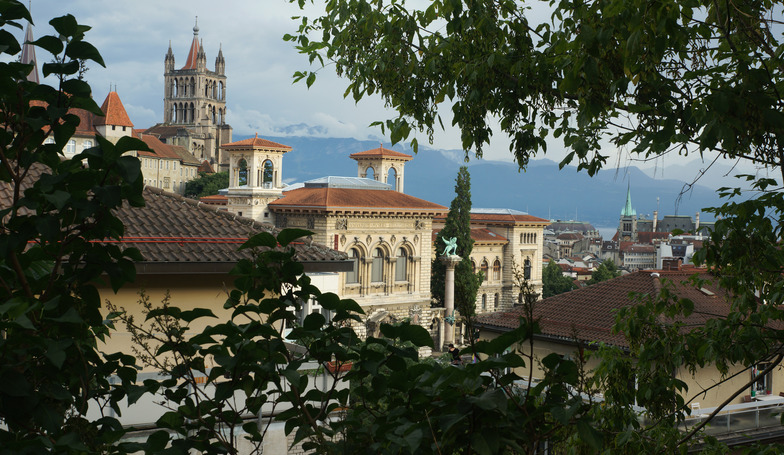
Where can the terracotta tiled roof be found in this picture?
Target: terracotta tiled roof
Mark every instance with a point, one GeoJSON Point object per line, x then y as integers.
{"type": "Point", "coordinates": [171, 228]}
{"type": "Point", "coordinates": [161, 130]}
{"type": "Point", "coordinates": [215, 199]}
{"type": "Point", "coordinates": [502, 218]}
{"type": "Point", "coordinates": [351, 199]}
{"type": "Point", "coordinates": [649, 237]}
{"type": "Point", "coordinates": [589, 314]}
{"type": "Point", "coordinates": [114, 112]}
{"type": "Point", "coordinates": [206, 167]}
{"type": "Point", "coordinates": [193, 52]}
{"type": "Point", "coordinates": [255, 142]}
{"type": "Point", "coordinates": [173, 233]}
{"type": "Point", "coordinates": [86, 122]}
{"type": "Point", "coordinates": [161, 150]}
{"type": "Point", "coordinates": [381, 152]}
{"type": "Point", "coordinates": [631, 247]}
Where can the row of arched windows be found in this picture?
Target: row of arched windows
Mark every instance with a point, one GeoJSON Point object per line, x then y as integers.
{"type": "Point", "coordinates": [186, 113]}
{"type": "Point", "coordinates": [370, 173]}
{"type": "Point", "coordinates": [186, 87]}
{"type": "Point", "coordinates": [264, 176]}
{"type": "Point", "coordinates": [485, 268]}
{"type": "Point", "coordinates": [377, 272]}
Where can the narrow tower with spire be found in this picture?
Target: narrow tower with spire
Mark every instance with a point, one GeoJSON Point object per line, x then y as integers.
{"type": "Point", "coordinates": [627, 226]}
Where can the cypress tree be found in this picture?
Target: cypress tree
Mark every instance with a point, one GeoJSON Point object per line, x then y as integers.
{"type": "Point", "coordinates": [457, 225]}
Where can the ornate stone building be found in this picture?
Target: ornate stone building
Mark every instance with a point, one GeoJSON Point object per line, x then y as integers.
{"type": "Point", "coordinates": [194, 105]}
{"type": "Point", "coordinates": [506, 242]}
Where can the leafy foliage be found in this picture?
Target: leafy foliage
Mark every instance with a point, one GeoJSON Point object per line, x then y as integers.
{"type": "Point", "coordinates": [50, 254]}
{"type": "Point", "coordinates": [458, 225]}
{"type": "Point", "coordinates": [207, 184]}
{"type": "Point", "coordinates": [554, 282]}
{"type": "Point", "coordinates": [606, 271]}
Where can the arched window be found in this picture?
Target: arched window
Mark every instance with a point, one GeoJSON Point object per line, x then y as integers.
{"type": "Point", "coordinates": [268, 174]}
{"type": "Point", "coordinates": [370, 173]}
{"type": "Point", "coordinates": [353, 275]}
{"type": "Point", "coordinates": [191, 114]}
{"type": "Point", "coordinates": [87, 144]}
{"type": "Point", "coordinates": [392, 178]}
{"type": "Point", "coordinates": [497, 270]}
{"type": "Point", "coordinates": [484, 302]}
{"type": "Point", "coordinates": [527, 269]}
{"type": "Point", "coordinates": [377, 269]}
{"type": "Point", "coordinates": [496, 302]}
{"type": "Point", "coordinates": [242, 174]}
{"type": "Point", "coordinates": [484, 269]}
{"type": "Point", "coordinates": [473, 267]}
{"type": "Point", "coordinates": [401, 265]}
{"type": "Point", "coordinates": [222, 92]}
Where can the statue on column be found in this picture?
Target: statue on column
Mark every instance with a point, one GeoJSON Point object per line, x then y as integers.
{"type": "Point", "coordinates": [451, 246]}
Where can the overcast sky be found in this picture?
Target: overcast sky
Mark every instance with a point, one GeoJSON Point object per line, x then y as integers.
{"type": "Point", "coordinates": [133, 37]}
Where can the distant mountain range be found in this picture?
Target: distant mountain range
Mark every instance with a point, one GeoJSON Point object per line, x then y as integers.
{"type": "Point", "coordinates": [542, 190]}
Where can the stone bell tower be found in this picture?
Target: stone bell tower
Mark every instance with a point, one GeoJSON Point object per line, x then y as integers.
{"type": "Point", "coordinates": [255, 177]}
{"type": "Point", "coordinates": [195, 102]}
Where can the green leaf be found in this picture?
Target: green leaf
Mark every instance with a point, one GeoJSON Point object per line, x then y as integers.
{"type": "Point", "coordinates": [589, 435]}
{"type": "Point", "coordinates": [50, 43]}
{"type": "Point", "coordinates": [83, 50]}
{"type": "Point", "coordinates": [262, 239]}
{"type": "Point", "coordinates": [286, 236]}
{"type": "Point", "coordinates": [196, 313]}
{"type": "Point", "coordinates": [65, 25]}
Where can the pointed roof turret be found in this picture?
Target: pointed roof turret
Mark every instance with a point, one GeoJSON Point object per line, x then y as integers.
{"type": "Point", "coordinates": [193, 54]}
{"type": "Point", "coordinates": [220, 58]}
{"type": "Point", "coordinates": [627, 209]}
{"type": "Point", "coordinates": [28, 54]}
{"type": "Point", "coordinates": [114, 112]}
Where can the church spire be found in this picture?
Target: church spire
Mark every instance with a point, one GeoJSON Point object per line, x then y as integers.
{"type": "Point", "coordinates": [28, 54]}
{"type": "Point", "coordinates": [193, 54]}
{"type": "Point", "coordinates": [627, 209]}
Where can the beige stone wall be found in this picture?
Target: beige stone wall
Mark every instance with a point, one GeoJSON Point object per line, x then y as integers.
{"type": "Point", "coordinates": [706, 386]}
{"type": "Point", "coordinates": [167, 174]}
{"type": "Point", "coordinates": [186, 291]}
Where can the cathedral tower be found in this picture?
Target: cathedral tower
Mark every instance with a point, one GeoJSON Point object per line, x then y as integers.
{"type": "Point", "coordinates": [195, 101]}
{"type": "Point", "coordinates": [627, 226]}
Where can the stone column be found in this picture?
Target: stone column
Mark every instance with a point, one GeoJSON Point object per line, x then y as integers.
{"type": "Point", "coordinates": [449, 296]}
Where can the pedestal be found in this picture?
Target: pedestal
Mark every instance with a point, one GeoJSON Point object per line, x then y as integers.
{"type": "Point", "coordinates": [449, 296]}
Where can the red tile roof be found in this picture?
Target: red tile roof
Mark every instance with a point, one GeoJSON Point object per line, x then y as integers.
{"type": "Point", "coordinates": [174, 233]}
{"type": "Point", "coordinates": [193, 53]}
{"type": "Point", "coordinates": [589, 313]}
{"type": "Point", "coordinates": [502, 218]}
{"type": "Point", "coordinates": [255, 142]}
{"type": "Point", "coordinates": [206, 167]}
{"type": "Point", "coordinates": [114, 112]}
{"type": "Point", "coordinates": [649, 237]}
{"type": "Point", "coordinates": [381, 152]}
{"type": "Point", "coordinates": [161, 150]}
{"type": "Point", "coordinates": [352, 199]}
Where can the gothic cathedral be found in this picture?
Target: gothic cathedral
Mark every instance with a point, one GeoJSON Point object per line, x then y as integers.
{"type": "Point", "coordinates": [194, 110]}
